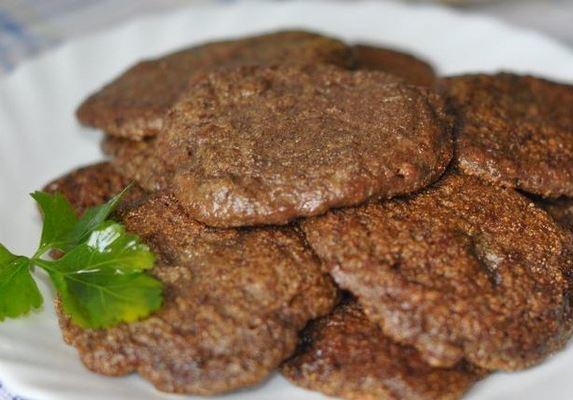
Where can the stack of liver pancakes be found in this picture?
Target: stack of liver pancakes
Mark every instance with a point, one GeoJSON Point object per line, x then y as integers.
{"type": "Point", "coordinates": [336, 212]}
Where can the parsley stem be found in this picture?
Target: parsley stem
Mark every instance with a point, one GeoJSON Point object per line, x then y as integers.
{"type": "Point", "coordinates": [40, 252]}
{"type": "Point", "coordinates": [46, 265]}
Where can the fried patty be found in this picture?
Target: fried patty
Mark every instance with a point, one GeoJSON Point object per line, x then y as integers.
{"type": "Point", "coordinates": [515, 131]}
{"type": "Point", "coordinates": [135, 161]}
{"type": "Point", "coordinates": [134, 104]}
{"type": "Point", "coordinates": [461, 270]}
{"type": "Point", "coordinates": [234, 301]}
{"type": "Point", "coordinates": [265, 145]}
{"type": "Point", "coordinates": [346, 355]}
{"type": "Point", "coordinates": [93, 185]}
{"type": "Point", "coordinates": [408, 67]}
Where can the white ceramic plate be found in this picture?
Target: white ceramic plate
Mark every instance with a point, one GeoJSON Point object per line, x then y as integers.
{"type": "Point", "coordinates": [40, 139]}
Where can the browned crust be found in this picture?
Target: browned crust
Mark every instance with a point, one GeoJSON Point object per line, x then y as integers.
{"type": "Point", "coordinates": [265, 145]}
{"type": "Point", "coordinates": [462, 270]}
{"type": "Point", "coordinates": [93, 185]}
{"type": "Point", "coordinates": [234, 299]}
{"type": "Point", "coordinates": [514, 131]}
{"type": "Point", "coordinates": [346, 355]}
{"type": "Point", "coordinates": [134, 104]}
{"type": "Point", "coordinates": [135, 160]}
{"type": "Point", "coordinates": [406, 66]}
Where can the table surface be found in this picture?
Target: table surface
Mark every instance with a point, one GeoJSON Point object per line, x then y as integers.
{"type": "Point", "coordinates": [30, 27]}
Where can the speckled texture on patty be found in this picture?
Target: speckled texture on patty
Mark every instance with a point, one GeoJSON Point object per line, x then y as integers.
{"type": "Point", "coordinates": [134, 104]}
{"type": "Point", "coordinates": [93, 185]}
{"type": "Point", "coordinates": [408, 67]}
{"type": "Point", "coordinates": [462, 270]}
{"type": "Point", "coordinates": [515, 131]}
{"type": "Point", "coordinates": [234, 299]}
{"type": "Point", "coordinates": [265, 145]}
{"type": "Point", "coordinates": [135, 161]}
{"type": "Point", "coordinates": [346, 355]}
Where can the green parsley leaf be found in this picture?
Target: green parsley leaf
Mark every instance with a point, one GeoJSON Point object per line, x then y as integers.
{"type": "Point", "coordinates": [101, 281]}
{"type": "Point", "coordinates": [91, 219]}
{"type": "Point", "coordinates": [109, 246]}
{"type": "Point", "coordinates": [18, 291]}
{"type": "Point", "coordinates": [59, 220]}
{"type": "Point", "coordinates": [104, 297]}
{"type": "Point", "coordinates": [101, 278]}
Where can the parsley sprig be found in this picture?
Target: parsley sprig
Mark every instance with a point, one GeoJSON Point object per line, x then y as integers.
{"type": "Point", "coordinates": [101, 279]}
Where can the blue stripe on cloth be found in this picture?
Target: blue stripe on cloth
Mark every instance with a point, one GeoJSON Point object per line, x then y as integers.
{"type": "Point", "coordinates": [14, 40]}
{"type": "Point", "coordinates": [4, 395]}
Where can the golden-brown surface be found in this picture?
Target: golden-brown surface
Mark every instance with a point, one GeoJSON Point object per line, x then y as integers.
{"type": "Point", "coordinates": [408, 67]}
{"type": "Point", "coordinates": [267, 129]}
{"type": "Point", "coordinates": [234, 300]}
{"type": "Point", "coordinates": [134, 104]}
{"type": "Point", "coordinates": [462, 270]}
{"type": "Point", "coordinates": [346, 355]}
{"type": "Point", "coordinates": [515, 131]}
{"type": "Point", "coordinates": [93, 185]}
{"type": "Point", "coordinates": [135, 161]}
{"type": "Point", "coordinates": [265, 145]}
